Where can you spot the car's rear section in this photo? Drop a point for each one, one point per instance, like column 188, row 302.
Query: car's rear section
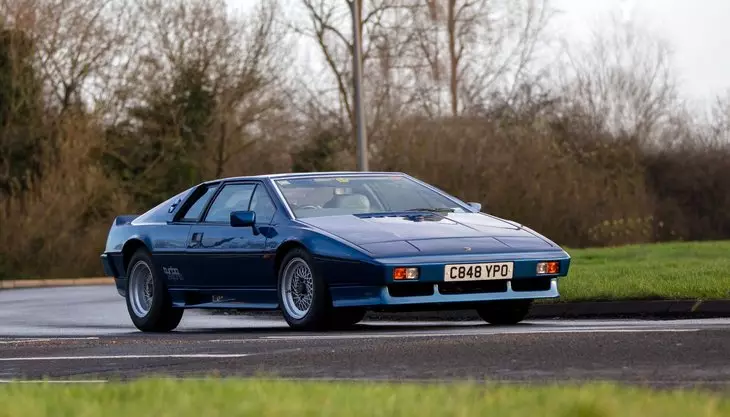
column 113, row 258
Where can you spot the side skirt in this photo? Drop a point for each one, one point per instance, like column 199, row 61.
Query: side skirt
column 224, row 298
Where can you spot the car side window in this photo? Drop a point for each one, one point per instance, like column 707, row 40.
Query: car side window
column 262, row 204
column 233, row 197
column 193, row 213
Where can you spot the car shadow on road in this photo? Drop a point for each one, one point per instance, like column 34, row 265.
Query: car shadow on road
column 363, row 328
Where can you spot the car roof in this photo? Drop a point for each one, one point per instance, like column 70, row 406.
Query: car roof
column 303, row 174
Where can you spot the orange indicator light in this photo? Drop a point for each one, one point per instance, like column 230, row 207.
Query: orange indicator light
column 401, row 274
column 548, row 268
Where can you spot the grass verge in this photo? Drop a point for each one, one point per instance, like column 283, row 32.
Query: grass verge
column 210, row 398
column 659, row 271
column 686, row 270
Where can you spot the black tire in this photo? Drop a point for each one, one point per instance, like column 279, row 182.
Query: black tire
column 161, row 316
column 317, row 317
column 505, row 312
column 344, row 318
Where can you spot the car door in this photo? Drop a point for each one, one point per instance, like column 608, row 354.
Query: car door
column 233, row 257
column 171, row 239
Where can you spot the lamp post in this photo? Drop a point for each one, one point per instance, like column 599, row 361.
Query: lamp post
column 362, row 141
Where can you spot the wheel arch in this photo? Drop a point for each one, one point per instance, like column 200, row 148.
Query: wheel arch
column 130, row 247
column 283, row 249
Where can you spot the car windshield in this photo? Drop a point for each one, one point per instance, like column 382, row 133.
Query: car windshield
column 331, row 196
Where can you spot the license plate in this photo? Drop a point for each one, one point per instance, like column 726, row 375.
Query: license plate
column 478, row 272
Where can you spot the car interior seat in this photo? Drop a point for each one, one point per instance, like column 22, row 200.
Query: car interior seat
column 349, row 201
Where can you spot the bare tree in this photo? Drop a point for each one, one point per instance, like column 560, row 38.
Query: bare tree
column 235, row 61
column 622, row 78
column 489, row 46
column 720, row 118
column 82, row 46
column 329, row 24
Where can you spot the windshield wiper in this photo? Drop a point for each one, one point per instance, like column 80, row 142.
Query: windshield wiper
column 433, row 210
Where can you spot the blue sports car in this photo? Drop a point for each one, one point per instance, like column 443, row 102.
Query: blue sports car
column 324, row 248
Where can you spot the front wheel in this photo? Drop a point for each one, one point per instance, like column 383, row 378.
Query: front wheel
column 504, row 312
column 345, row 318
column 303, row 295
column 148, row 302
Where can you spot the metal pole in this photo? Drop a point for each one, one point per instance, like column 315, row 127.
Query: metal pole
column 362, row 142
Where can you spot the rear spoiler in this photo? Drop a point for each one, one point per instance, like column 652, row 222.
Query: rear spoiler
column 125, row 219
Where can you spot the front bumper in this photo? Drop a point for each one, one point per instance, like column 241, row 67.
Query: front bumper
column 448, row 295
column 431, row 268
column 431, row 290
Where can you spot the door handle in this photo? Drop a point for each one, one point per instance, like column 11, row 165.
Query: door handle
column 195, row 239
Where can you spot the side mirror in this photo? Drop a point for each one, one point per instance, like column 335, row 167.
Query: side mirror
column 476, row 206
column 243, row 218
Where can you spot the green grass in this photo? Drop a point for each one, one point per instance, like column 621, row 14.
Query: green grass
column 683, row 270
column 695, row 270
column 229, row 398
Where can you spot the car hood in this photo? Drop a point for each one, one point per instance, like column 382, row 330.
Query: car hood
column 402, row 234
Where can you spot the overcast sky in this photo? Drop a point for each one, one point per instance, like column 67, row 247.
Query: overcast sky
column 697, row 30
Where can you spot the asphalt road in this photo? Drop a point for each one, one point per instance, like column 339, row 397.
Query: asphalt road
column 84, row 333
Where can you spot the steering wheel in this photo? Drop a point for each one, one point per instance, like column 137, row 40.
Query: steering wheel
column 310, row 206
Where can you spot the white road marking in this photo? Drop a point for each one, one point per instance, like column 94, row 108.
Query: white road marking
column 253, row 339
column 462, row 334
column 105, row 357
column 45, row 339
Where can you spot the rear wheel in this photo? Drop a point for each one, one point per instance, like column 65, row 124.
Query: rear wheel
column 148, row 302
column 504, row 312
column 303, row 295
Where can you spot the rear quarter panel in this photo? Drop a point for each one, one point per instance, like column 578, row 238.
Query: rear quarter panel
column 150, row 229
